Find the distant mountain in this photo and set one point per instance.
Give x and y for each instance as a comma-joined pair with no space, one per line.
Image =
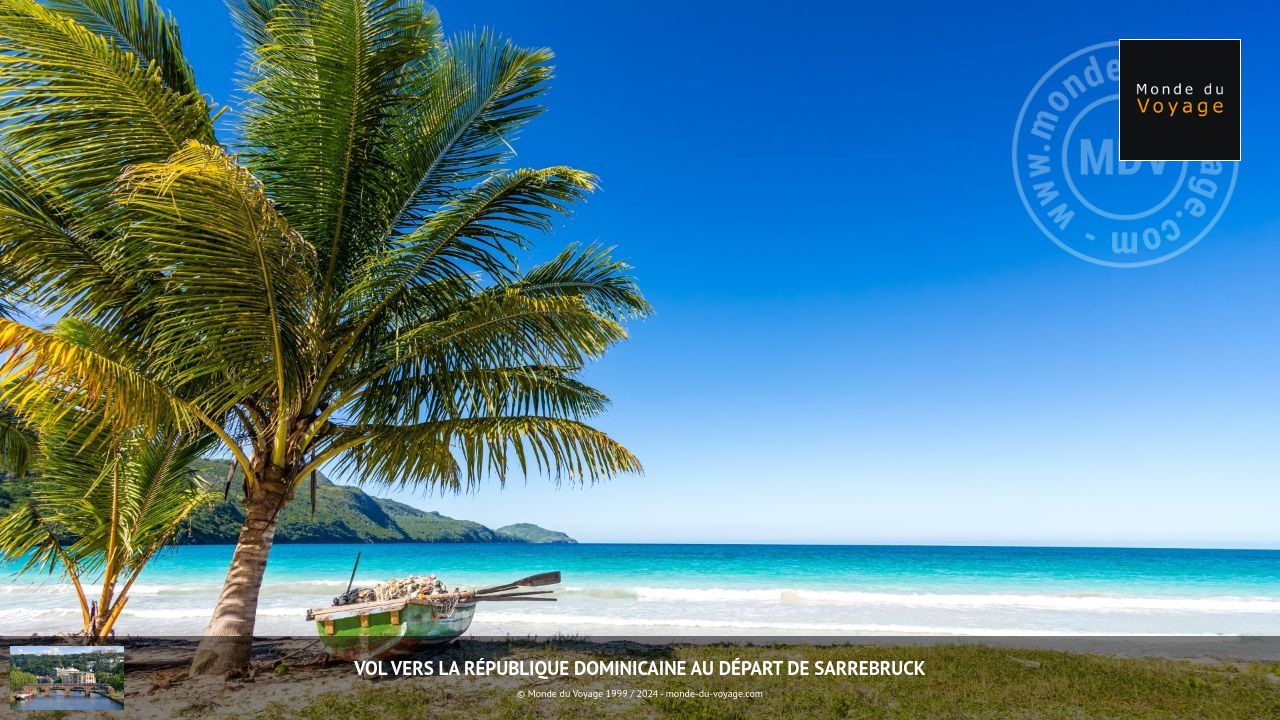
343,514
530,533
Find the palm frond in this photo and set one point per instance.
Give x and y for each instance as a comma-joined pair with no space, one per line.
446,393
27,538
592,274
476,231
457,454
473,102
124,495
151,478
206,224
51,374
251,17
75,108
140,27
45,257
324,79
494,329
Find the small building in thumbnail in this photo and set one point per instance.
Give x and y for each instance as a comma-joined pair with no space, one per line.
74,675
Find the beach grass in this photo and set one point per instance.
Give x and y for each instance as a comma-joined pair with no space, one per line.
961,681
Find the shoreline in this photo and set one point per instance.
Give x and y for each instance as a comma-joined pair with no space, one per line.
727,590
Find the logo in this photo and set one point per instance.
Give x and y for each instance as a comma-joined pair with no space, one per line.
1069,175
1180,100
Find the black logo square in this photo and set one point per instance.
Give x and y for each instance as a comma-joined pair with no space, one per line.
1179,100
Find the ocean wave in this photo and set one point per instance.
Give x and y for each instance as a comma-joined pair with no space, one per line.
607,593
28,613
207,611
544,624
211,588
318,587
170,613
91,589
190,599
50,588
1080,602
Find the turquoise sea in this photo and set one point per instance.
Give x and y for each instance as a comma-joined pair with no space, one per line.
728,589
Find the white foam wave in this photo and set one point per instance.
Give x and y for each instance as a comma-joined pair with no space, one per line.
29,613
544,624
1086,603
205,612
170,613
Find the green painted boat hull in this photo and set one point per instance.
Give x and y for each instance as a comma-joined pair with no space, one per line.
420,626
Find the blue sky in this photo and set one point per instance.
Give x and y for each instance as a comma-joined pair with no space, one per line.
861,337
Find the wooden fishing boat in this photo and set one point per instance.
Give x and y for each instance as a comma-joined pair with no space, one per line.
405,626
388,629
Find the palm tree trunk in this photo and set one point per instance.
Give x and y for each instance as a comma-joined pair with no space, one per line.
75,581
229,637
110,571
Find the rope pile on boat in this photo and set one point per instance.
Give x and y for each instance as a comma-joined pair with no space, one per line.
413,586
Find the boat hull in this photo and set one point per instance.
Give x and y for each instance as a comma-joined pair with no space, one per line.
392,629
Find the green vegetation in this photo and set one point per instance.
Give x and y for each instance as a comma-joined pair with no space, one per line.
346,514
343,513
530,533
14,490
19,679
17,443
961,682
342,284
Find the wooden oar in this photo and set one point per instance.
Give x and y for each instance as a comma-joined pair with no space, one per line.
516,594
353,572
513,598
547,578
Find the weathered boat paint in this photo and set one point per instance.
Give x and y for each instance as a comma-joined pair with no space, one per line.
393,628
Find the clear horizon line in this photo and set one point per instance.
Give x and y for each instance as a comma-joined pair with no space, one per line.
1032,546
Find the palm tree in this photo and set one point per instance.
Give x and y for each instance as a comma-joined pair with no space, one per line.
102,507
342,284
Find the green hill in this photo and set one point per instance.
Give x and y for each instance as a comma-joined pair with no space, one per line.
343,514
530,533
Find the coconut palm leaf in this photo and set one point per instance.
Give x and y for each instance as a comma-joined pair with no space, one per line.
457,454
52,259
75,107
50,375
17,440
26,537
204,223
138,487
137,26
488,93
324,88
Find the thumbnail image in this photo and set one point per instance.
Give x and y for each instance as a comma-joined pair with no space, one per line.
43,677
